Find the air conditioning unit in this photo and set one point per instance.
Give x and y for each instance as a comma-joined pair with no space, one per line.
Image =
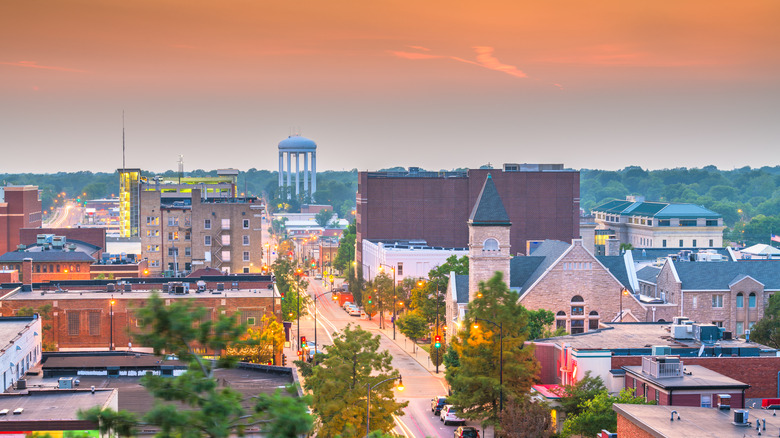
220,287
110,287
706,333
128,287
723,401
682,332
21,384
661,350
741,417
65,383
679,320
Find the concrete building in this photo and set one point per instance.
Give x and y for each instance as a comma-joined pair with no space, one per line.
295,145
54,412
542,202
20,207
660,224
49,265
411,259
21,340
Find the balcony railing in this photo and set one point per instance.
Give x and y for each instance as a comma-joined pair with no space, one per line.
652,367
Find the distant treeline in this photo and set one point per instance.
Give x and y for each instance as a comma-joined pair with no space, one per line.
739,195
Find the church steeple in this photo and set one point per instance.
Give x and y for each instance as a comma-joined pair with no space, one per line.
489,209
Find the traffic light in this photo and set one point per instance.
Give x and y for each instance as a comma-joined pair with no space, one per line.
313,264
282,294
369,299
284,360
438,341
303,340
300,353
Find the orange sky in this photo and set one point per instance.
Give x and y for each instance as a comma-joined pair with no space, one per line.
553,81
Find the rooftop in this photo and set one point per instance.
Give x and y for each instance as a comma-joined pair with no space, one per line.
661,210
11,327
489,209
46,256
51,404
635,339
699,377
695,421
718,276
84,293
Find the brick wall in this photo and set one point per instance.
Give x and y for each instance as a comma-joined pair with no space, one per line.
758,372
484,264
627,429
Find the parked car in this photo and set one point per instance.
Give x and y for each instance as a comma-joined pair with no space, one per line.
354,311
448,415
437,403
346,304
466,432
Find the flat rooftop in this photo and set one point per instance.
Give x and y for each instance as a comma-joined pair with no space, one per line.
638,336
699,378
695,422
11,327
52,404
82,293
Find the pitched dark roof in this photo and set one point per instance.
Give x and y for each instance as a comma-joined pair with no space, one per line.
617,266
655,209
489,209
521,269
462,288
648,274
718,275
549,251
46,256
615,206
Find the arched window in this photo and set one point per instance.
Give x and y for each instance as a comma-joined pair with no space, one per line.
577,309
752,300
561,313
490,245
593,320
577,299
560,321
740,300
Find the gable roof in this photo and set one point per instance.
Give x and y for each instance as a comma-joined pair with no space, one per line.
521,268
615,206
489,209
547,252
718,275
462,288
648,274
617,267
656,209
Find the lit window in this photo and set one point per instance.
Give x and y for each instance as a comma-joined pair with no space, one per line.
246,224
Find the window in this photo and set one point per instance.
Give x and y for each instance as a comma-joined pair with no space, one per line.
593,320
577,310
717,301
152,233
490,245
173,235
154,263
577,326
173,251
711,241
400,270
207,240
694,300
752,300
245,224
650,222
577,299
664,222
246,270
94,323
694,243
681,243
717,323
225,239
740,300
712,223
150,248
207,224
187,251
225,256
706,400
152,220
187,235
560,324
226,224
663,243
687,222
173,221
245,240
250,320
740,328
246,256
73,323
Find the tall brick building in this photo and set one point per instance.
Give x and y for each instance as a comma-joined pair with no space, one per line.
542,202
20,207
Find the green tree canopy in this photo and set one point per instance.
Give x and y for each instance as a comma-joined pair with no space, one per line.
596,414
767,330
413,325
323,217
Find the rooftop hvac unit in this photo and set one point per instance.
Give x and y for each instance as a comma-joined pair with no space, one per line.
727,336
128,287
679,320
165,288
706,333
110,287
58,241
661,350
65,383
220,287
724,401
741,417
682,332
21,384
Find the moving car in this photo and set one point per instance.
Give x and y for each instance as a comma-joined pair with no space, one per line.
354,311
437,403
448,415
466,432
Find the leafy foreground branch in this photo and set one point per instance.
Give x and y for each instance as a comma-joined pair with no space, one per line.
211,410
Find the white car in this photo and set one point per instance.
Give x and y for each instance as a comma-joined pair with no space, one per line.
448,416
347,304
354,311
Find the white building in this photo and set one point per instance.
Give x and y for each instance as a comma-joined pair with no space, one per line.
20,337
410,258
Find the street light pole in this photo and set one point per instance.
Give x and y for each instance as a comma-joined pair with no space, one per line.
111,328
368,398
500,361
315,317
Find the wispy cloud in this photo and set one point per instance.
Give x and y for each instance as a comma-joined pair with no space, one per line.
484,59
33,64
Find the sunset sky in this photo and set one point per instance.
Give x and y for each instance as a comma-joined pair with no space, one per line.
377,83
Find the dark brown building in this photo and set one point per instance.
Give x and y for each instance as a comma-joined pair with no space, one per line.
20,207
542,200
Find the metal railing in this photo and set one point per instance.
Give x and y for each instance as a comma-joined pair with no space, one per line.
661,369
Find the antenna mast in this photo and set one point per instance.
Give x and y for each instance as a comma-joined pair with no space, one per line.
123,139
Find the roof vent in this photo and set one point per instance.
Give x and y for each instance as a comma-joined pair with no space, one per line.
18,411
4,412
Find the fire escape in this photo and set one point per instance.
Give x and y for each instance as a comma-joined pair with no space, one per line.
218,244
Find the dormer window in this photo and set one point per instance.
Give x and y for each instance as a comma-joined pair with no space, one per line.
490,245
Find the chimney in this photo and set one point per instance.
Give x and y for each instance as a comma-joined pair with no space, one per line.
612,247
27,270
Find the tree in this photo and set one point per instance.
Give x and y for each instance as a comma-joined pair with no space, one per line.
437,353
538,322
339,385
412,325
383,287
475,381
523,418
767,330
291,286
110,423
262,344
575,396
323,217
285,416
596,414
45,313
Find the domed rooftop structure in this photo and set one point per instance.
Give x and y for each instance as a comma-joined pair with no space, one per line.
297,143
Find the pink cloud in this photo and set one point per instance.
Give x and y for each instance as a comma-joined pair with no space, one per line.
486,59
33,64
425,49
413,55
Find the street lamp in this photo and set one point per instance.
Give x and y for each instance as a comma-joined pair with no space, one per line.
624,291
400,387
111,327
315,316
500,359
